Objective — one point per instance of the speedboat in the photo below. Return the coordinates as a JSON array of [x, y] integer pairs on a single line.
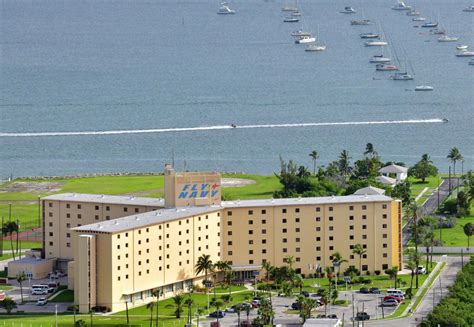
[[462, 47], [296, 13], [289, 8], [233, 125], [375, 43], [299, 33], [430, 24], [348, 10], [437, 31], [369, 36], [291, 20], [465, 54], [384, 68], [361, 22], [225, 10], [402, 77], [315, 47], [305, 39], [445, 120], [419, 19], [379, 59], [401, 6], [413, 13], [469, 9], [424, 88], [446, 38]]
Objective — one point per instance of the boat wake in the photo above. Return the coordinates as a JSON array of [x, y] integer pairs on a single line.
[[223, 127]]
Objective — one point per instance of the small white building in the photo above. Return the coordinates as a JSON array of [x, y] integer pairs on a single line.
[[400, 173], [370, 190], [385, 180]]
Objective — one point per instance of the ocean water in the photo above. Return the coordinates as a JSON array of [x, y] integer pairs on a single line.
[[73, 67]]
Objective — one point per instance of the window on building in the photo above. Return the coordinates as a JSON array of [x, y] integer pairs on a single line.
[[284, 220], [250, 262], [331, 208], [331, 227], [229, 233], [283, 230], [297, 229], [283, 210], [364, 246], [365, 268], [297, 209], [384, 235], [264, 241], [318, 248], [318, 218], [68, 215], [297, 249], [384, 245], [250, 212], [68, 225], [285, 250], [331, 248], [364, 256], [351, 217], [364, 226], [364, 237], [264, 251], [351, 237], [318, 209], [331, 218], [318, 258], [50, 205], [284, 240], [264, 221], [297, 239], [385, 255], [250, 251], [351, 227], [68, 234], [250, 242], [250, 222], [364, 216], [107, 208], [318, 239], [384, 266], [264, 231], [297, 220], [250, 232], [351, 208], [318, 229], [331, 238], [264, 212], [79, 206], [229, 223], [384, 226], [229, 242], [384, 206], [384, 216], [125, 209], [229, 213]]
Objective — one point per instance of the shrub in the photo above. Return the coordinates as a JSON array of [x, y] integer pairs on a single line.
[[449, 207], [368, 273], [351, 271], [377, 272]]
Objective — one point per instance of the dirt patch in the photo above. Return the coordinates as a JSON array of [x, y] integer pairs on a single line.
[[236, 182], [33, 187]]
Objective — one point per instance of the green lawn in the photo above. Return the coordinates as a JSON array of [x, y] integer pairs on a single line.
[[26, 214], [262, 189], [455, 236], [64, 296], [6, 256], [5, 287], [24, 245]]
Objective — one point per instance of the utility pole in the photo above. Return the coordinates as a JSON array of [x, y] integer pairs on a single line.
[[449, 179], [363, 310], [438, 193], [39, 211], [353, 311], [415, 218]]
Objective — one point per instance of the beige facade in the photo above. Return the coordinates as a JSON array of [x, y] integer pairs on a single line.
[[37, 268]]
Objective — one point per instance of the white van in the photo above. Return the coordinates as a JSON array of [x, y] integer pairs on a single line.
[[39, 289], [395, 292]]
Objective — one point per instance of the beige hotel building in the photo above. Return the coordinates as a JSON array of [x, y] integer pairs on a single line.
[[119, 249]]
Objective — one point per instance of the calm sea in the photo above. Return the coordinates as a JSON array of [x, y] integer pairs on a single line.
[[95, 66]]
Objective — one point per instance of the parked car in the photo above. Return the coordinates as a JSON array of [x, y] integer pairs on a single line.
[[364, 290], [217, 314], [305, 293], [374, 290], [255, 303], [332, 316], [398, 298], [3, 295], [230, 310], [421, 270], [296, 306], [396, 292], [42, 301], [390, 303], [362, 316]]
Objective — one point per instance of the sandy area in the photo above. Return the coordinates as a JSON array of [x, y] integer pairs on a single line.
[[33, 187], [236, 182]]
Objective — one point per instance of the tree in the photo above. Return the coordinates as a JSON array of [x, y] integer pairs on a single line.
[[370, 151], [74, 308], [151, 306], [289, 260], [423, 168], [360, 251], [314, 156], [204, 264], [402, 191], [265, 311], [298, 282], [268, 268], [157, 293], [463, 204], [337, 261], [20, 278], [344, 164], [325, 298], [199, 312], [238, 310], [307, 305], [80, 323], [468, 231], [393, 273], [454, 156], [8, 229], [8, 304], [178, 301]]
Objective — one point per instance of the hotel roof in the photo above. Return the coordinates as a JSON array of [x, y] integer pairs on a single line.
[[396, 169], [107, 199]]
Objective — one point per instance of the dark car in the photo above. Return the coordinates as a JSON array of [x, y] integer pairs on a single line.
[[375, 290], [217, 314], [296, 306], [332, 316], [305, 293], [364, 290], [362, 316], [394, 297]]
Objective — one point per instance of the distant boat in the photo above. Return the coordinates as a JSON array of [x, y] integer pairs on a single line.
[[446, 38], [401, 6], [413, 13], [465, 54], [290, 7], [462, 47], [369, 36], [291, 20], [402, 76], [299, 33], [348, 10], [379, 59], [361, 22], [471, 62], [383, 67], [424, 88], [430, 24], [305, 39], [437, 31], [375, 43], [225, 10], [419, 19], [296, 13], [469, 9]]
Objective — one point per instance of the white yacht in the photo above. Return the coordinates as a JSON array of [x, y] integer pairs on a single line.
[[402, 76], [379, 59], [225, 10], [315, 47], [299, 33], [424, 88], [348, 10], [419, 19], [291, 20], [462, 47], [430, 24], [305, 39], [385, 68], [401, 6], [369, 36], [469, 9], [375, 44], [446, 38], [465, 54], [437, 31], [361, 22], [413, 13]]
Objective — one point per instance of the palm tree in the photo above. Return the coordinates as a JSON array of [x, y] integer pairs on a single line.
[[393, 273], [325, 298], [268, 267], [189, 302], [178, 301], [298, 282], [344, 163], [151, 306], [289, 260], [411, 265], [238, 309], [469, 231], [413, 211], [8, 304], [204, 264], [8, 229], [454, 156], [314, 156], [20, 278], [337, 261], [360, 251], [74, 307], [425, 158], [370, 150], [247, 312], [157, 294], [199, 312]]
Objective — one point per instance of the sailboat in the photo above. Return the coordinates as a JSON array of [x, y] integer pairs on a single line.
[[317, 46], [385, 66], [290, 7], [403, 76]]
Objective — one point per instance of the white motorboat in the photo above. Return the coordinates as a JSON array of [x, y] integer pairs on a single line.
[[471, 62], [465, 54], [225, 10], [437, 31], [462, 47], [401, 6], [315, 47], [402, 76], [424, 88], [289, 8], [299, 33], [446, 38], [296, 13], [413, 13], [469, 9], [385, 68], [348, 10], [419, 19], [361, 22], [369, 36], [305, 39], [375, 44], [379, 59], [430, 24], [291, 20]]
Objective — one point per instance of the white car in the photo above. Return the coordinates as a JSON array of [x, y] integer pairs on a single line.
[[42, 301], [421, 270]]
